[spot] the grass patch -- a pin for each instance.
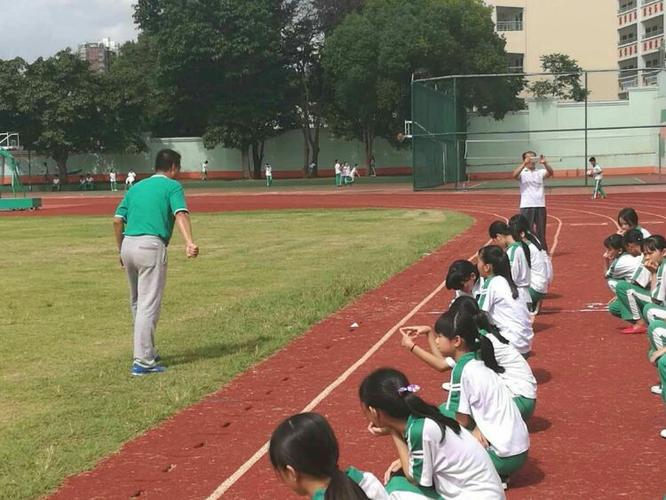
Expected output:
(263, 278)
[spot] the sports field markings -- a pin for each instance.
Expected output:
(577, 224)
(240, 472)
(639, 180)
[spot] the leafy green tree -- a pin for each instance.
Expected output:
(225, 63)
(68, 109)
(371, 56)
(12, 84)
(566, 81)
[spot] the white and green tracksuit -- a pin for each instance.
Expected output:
(632, 295)
(479, 392)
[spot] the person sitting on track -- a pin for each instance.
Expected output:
(621, 264)
(627, 219)
(478, 398)
(463, 277)
(519, 256)
(500, 299)
(304, 453)
(541, 267)
(643, 288)
(438, 458)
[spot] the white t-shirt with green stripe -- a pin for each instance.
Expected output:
(659, 290)
(539, 269)
(479, 392)
(517, 376)
(370, 485)
(520, 270)
(457, 466)
(506, 313)
(622, 269)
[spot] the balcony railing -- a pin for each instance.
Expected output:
(652, 34)
(626, 41)
(645, 2)
(626, 8)
(516, 69)
(628, 82)
(509, 26)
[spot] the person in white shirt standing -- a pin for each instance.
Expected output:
(338, 174)
(268, 171)
(204, 171)
(596, 171)
(532, 196)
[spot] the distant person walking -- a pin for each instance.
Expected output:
(532, 195)
(338, 174)
(143, 225)
(597, 172)
(204, 171)
(268, 172)
(113, 180)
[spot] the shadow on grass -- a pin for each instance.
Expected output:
(212, 351)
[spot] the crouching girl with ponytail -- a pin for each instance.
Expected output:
(478, 398)
(304, 453)
(438, 458)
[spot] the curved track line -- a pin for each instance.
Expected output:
(242, 470)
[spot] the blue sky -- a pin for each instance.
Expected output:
(34, 28)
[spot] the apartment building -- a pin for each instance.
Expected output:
(585, 30)
(640, 42)
(98, 54)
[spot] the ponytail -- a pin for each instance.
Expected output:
(468, 305)
(498, 227)
(497, 258)
(389, 390)
(342, 487)
(522, 225)
(465, 327)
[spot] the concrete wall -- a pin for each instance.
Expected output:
(284, 153)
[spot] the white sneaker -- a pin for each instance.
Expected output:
(446, 386)
(663, 433)
(505, 485)
(656, 389)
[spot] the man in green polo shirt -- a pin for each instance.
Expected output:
(143, 225)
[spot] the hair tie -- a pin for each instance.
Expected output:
(413, 388)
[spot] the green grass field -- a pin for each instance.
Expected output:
(263, 278)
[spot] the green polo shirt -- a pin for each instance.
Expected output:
(150, 207)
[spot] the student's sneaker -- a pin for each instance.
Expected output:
(656, 389)
(634, 330)
(663, 433)
(139, 368)
(505, 485)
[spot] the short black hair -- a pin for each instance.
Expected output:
(459, 272)
(592, 158)
(529, 151)
(633, 236)
(165, 159)
(615, 242)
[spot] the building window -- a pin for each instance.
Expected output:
(509, 19)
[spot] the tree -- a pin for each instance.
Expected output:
(11, 91)
(226, 65)
(370, 59)
(68, 109)
(331, 14)
(565, 83)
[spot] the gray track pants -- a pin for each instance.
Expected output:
(145, 260)
(536, 217)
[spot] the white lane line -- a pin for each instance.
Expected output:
(588, 224)
(240, 472)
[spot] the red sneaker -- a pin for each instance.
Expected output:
(634, 329)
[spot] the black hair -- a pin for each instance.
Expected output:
(514, 230)
(496, 257)
(165, 159)
(458, 323)
(615, 242)
(633, 236)
(522, 225)
(654, 243)
(592, 158)
(527, 152)
(381, 390)
(469, 305)
(628, 215)
(459, 272)
(307, 443)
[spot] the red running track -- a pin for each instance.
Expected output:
(595, 433)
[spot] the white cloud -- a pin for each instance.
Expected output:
(39, 28)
